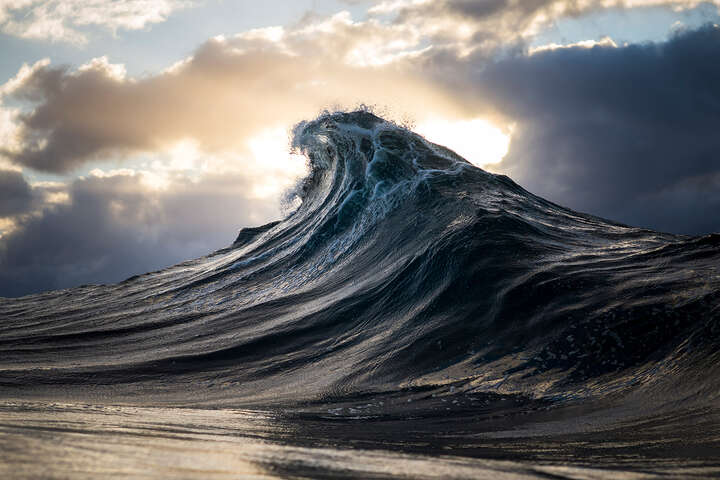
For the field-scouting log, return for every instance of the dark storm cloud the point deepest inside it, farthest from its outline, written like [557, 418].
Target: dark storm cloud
[627, 133]
[113, 227]
[523, 10]
[16, 195]
[474, 9]
[492, 26]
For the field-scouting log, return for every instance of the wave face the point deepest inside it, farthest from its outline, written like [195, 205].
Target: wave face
[405, 269]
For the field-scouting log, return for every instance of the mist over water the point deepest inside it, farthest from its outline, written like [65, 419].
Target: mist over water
[414, 310]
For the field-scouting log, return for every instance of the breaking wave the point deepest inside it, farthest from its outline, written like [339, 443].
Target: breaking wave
[405, 272]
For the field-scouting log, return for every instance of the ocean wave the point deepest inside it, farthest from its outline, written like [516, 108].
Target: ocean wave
[405, 271]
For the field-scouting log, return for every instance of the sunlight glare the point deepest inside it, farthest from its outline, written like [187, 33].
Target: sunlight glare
[276, 167]
[477, 140]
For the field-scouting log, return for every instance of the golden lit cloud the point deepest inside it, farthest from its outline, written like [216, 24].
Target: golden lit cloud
[415, 57]
[229, 91]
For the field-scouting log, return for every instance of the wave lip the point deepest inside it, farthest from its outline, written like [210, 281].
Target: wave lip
[404, 270]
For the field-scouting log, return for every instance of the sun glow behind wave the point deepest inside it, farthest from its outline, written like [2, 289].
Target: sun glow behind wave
[477, 140]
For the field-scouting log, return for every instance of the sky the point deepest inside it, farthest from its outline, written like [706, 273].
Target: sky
[135, 134]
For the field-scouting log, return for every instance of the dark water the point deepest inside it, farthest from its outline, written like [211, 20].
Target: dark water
[414, 317]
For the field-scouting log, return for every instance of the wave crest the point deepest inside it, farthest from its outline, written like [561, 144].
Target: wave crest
[404, 267]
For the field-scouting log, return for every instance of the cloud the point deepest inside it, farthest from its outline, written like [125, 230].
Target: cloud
[16, 195]
[488, 25]
[224, 94]
[65, 20]
[628, 133]
[230, 88]
[113, 226]
[603, 42]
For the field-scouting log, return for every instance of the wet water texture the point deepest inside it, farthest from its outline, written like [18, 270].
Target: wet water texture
[414, 317]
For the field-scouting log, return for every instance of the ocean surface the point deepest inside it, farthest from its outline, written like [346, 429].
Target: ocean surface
[413, 317]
